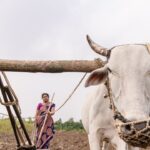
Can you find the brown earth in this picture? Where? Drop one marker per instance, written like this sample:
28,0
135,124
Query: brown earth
71,140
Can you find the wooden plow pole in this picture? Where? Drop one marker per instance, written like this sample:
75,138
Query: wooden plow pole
51,66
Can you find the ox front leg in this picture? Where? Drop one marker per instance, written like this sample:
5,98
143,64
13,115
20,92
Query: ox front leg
95,140
106,145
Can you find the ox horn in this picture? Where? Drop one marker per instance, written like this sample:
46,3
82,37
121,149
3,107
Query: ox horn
97,48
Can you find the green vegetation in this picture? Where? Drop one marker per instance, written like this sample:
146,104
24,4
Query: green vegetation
5,125
68,125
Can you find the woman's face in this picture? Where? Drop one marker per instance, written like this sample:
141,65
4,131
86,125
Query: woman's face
45,98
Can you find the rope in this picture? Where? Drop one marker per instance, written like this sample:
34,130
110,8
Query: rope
61,105
17,102
116,113
71,93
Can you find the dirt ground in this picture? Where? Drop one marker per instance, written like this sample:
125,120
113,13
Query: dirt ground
71,140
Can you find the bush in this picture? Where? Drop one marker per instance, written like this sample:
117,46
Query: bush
68,125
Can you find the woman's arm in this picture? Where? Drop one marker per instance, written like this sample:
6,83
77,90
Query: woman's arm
52,112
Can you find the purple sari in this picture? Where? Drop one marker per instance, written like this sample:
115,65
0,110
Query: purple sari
48,131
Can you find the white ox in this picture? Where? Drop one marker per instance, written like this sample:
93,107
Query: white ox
128,70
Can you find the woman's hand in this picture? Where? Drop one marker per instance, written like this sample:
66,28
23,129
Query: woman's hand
50,113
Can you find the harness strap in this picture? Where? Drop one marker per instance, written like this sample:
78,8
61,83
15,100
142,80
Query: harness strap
116,114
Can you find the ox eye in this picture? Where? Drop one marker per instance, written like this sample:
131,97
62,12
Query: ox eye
109,70
148,73
113,72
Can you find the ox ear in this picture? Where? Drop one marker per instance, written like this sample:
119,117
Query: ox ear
97,76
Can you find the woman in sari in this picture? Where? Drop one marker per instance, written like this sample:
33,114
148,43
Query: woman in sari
44,128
